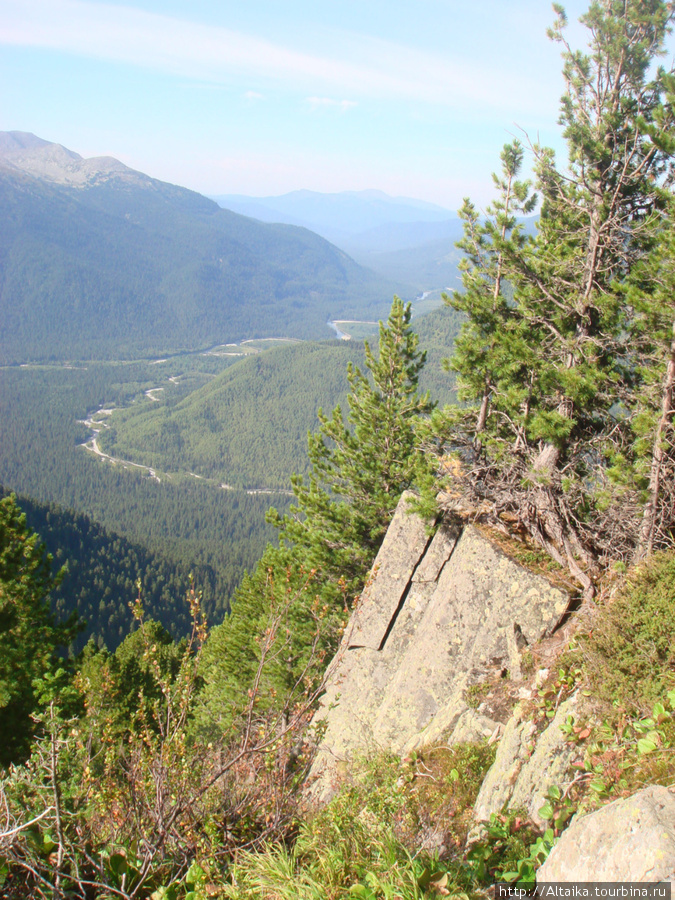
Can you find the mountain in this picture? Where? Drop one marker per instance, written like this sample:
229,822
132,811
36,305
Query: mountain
24,152
429,266
195,525
400,237
98,260
337,217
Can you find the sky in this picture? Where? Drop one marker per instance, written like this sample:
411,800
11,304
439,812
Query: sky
263,97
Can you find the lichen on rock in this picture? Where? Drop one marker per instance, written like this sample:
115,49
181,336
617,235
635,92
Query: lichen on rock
631,840
436,617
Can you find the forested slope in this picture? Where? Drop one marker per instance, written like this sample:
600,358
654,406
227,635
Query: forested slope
177,771
248,426
104,571
191,523
124,265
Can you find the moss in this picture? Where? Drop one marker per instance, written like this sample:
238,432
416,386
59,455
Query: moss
527,663
476,693
523,551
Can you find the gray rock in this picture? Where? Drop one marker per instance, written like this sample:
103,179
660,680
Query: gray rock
629,840
527,764
550,764
436,616
404,545
54,163
472,728
514,750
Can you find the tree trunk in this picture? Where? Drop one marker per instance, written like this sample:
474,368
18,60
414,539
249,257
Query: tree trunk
649,517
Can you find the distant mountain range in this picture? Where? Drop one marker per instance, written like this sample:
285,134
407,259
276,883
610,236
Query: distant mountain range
396,236
337,217
98,260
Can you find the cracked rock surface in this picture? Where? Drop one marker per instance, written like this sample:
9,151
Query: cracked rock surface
437,616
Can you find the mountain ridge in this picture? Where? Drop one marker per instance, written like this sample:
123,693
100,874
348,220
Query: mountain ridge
340,216
414,239
97,260
56,164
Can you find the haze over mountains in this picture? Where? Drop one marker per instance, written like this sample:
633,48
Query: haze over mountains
99,261
400,237
341,216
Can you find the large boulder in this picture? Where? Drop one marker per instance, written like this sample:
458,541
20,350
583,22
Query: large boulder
437,616
626,841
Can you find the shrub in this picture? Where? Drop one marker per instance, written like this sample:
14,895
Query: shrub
630,653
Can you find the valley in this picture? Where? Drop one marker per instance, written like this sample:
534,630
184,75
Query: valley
337,529
182,453
247,426
95,255
163,360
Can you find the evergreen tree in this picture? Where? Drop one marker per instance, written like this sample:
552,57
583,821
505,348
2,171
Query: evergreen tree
30,638
485,351
286,616
652,403
360,468
121,691
543,452
274,644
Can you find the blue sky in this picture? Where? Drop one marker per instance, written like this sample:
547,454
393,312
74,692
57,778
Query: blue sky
268,96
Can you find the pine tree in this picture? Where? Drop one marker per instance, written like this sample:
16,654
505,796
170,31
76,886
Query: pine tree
30,638
545,442
273,645
652,400
299,594
484,353
360,468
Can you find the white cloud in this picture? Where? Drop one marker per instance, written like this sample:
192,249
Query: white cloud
323,102
369,67
253,95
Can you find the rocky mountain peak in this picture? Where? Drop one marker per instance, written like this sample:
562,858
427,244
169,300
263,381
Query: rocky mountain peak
23,151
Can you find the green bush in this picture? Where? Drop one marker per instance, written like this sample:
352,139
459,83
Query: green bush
630,653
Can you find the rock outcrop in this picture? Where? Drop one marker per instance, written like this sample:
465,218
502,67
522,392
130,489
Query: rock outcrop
630,840
438,615
527,764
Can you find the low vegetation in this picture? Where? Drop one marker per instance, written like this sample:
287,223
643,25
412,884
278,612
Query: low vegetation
630,653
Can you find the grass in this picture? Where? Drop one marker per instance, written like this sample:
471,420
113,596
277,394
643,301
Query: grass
476,693
443,789
258,345
359,331
396,830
